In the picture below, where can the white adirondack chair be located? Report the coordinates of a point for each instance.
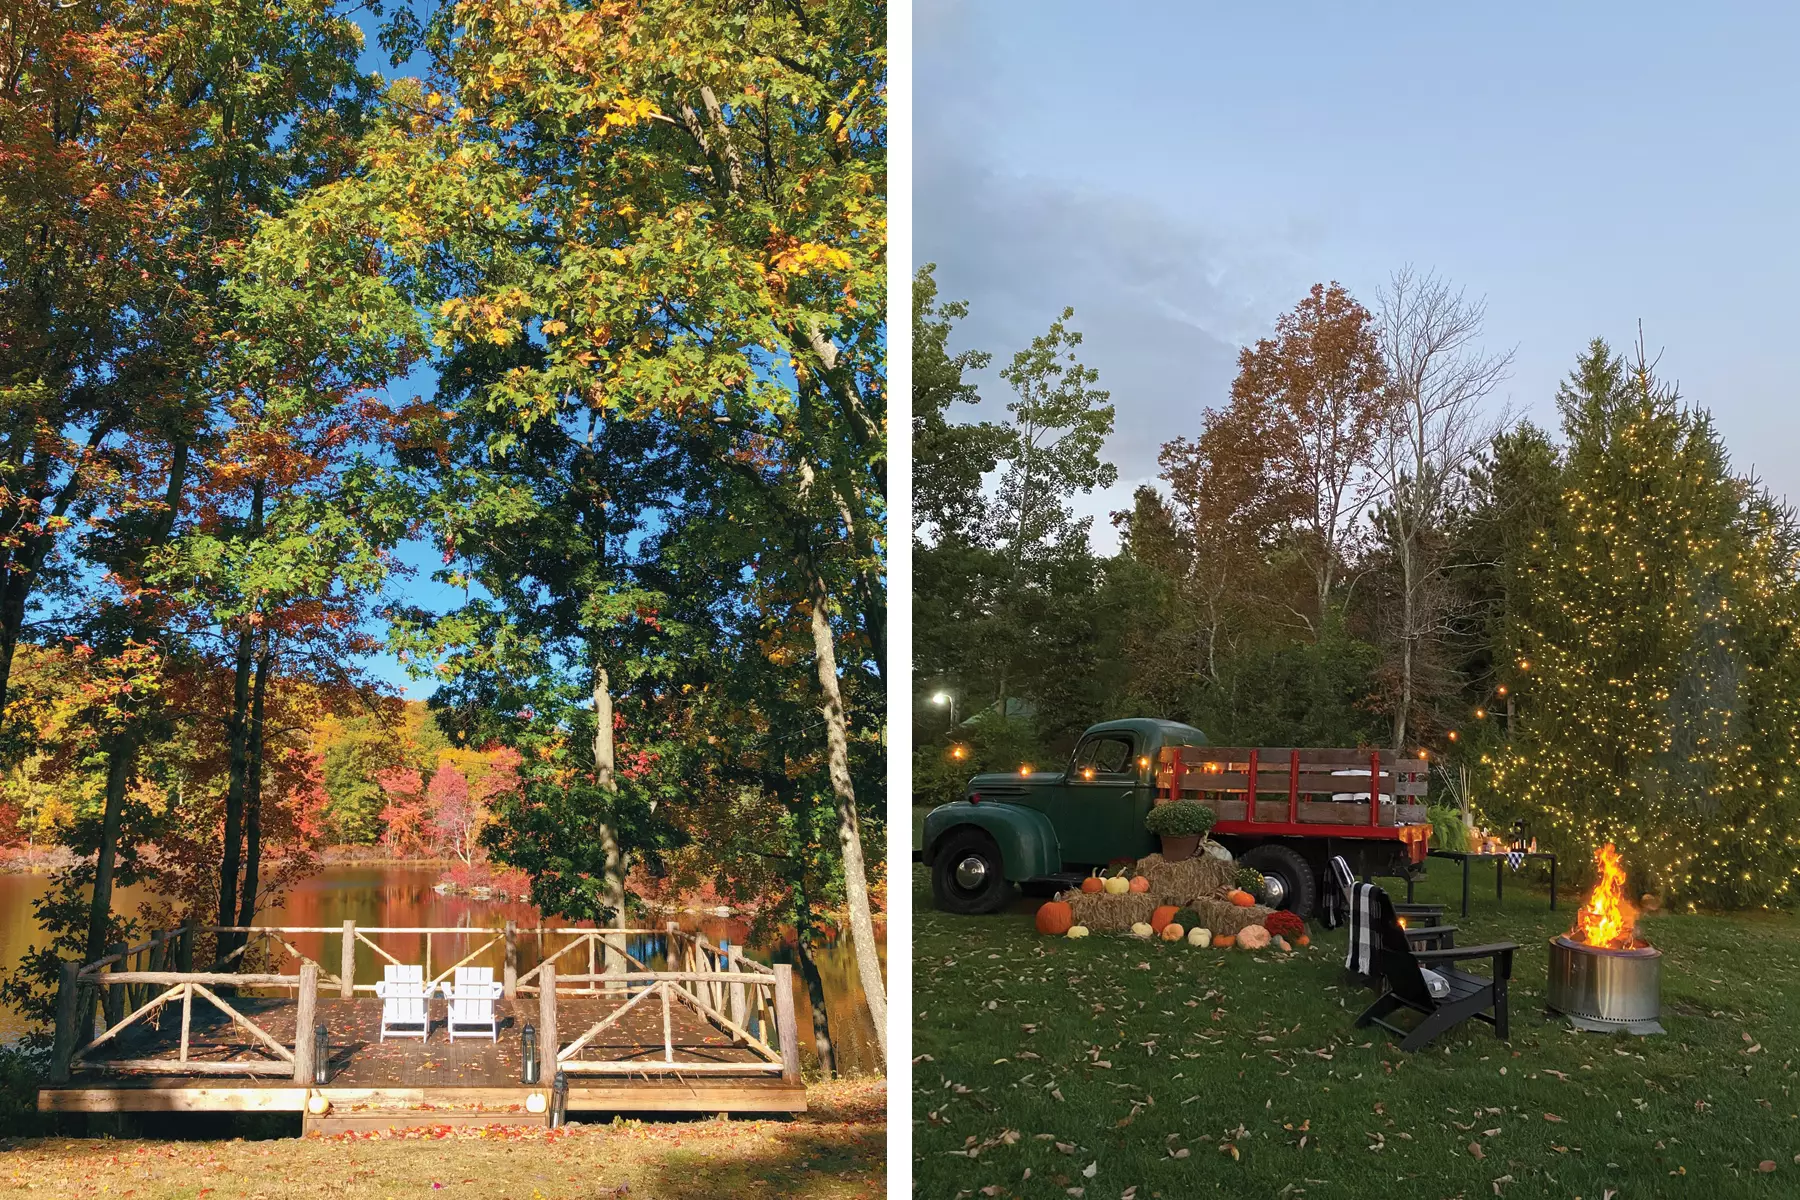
(405, 1004)
(472, 996)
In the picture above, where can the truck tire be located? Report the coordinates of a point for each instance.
(1285, 869)
(968, 875)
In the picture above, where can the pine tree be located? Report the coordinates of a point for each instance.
(1654, 665)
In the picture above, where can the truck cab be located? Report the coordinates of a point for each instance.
(1283, 811)
(1049, 827)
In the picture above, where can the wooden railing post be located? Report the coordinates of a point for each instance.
(184, 951)
(113, 1005)
(347, 963)
(509, 973)
(785, 1026)
(307, 1011)
(68, 984)
(738, 1007)
(547, 1040)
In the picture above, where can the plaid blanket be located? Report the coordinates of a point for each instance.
(1362, 908)
(1339, 879)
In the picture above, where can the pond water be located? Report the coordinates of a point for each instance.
(379, 894)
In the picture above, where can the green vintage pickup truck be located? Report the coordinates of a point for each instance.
(1044, 829)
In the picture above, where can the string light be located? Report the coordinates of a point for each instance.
(1663, 713)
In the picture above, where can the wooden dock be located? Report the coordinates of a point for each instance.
(708, 1030)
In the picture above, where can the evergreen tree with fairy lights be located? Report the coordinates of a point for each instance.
(1656, 670)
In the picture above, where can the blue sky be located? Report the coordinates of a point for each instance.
(1181, 173)
(420, 557)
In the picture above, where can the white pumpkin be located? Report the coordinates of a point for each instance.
(1142, 929)
(1199, 937)
(1217, 851)
(1118, 885)
(1077, 931)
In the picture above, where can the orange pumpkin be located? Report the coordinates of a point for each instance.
(1304, 940)
(1139, 884)
(1163, 916)
(1240, 897)
(1093, 883)
(1055, 918)
(1224, 941)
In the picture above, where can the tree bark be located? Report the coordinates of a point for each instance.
(837, 740)
(613, 864)
(120, 755)
(230, 859)
(1408, 635)
(815, 997)
(253, 794)
(237, 773)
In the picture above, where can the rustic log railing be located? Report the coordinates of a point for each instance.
(155, 990)
(747, 1000)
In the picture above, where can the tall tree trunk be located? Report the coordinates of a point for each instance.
(21, 565)
(815, 997)
(12, 622)
(1408, 631)
(121, 752)
(837, 740)
(237, 775)
(230, 860)
(613, 864)
(253, 795)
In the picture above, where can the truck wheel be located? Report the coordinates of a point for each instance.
(967, 874)
(1290, 882)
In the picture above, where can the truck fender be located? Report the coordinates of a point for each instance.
(1027, 840)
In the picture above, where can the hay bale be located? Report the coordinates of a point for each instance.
(1103, 913)
(1180, 882)
(1222, 916)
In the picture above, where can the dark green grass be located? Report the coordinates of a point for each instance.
(1045, 1055)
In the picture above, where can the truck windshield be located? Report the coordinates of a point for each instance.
(1108, 754)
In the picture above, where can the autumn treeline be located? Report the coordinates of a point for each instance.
(1591, 633)
(597, 330)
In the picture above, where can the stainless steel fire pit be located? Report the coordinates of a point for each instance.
(1605, 990)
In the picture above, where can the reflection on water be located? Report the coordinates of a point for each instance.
(382, 895)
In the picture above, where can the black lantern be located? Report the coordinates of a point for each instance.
(321, 1058)
(559, 1100)
(528, 1045)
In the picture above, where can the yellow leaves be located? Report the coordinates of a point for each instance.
(553, 327)
(627, 112)
(486, 318)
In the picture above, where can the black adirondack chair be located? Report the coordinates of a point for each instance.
(1397, 963)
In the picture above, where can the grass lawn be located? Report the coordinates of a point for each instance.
(835, 1152)
(1113, 1067)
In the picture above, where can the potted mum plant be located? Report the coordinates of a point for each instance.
(1180, 824)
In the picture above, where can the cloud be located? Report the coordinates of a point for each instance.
(1163, 301)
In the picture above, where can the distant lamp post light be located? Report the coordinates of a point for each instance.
(959, 752)
(946, 700)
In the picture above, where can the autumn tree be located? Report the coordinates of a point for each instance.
(1317, 391)
(602, 225)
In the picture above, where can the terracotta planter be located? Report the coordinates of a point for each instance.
(1180, 849)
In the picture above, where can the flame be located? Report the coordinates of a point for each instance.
(1608, 919)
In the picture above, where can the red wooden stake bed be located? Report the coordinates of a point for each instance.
(1323, 793)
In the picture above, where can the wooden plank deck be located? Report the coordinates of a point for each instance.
(435, 1081)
